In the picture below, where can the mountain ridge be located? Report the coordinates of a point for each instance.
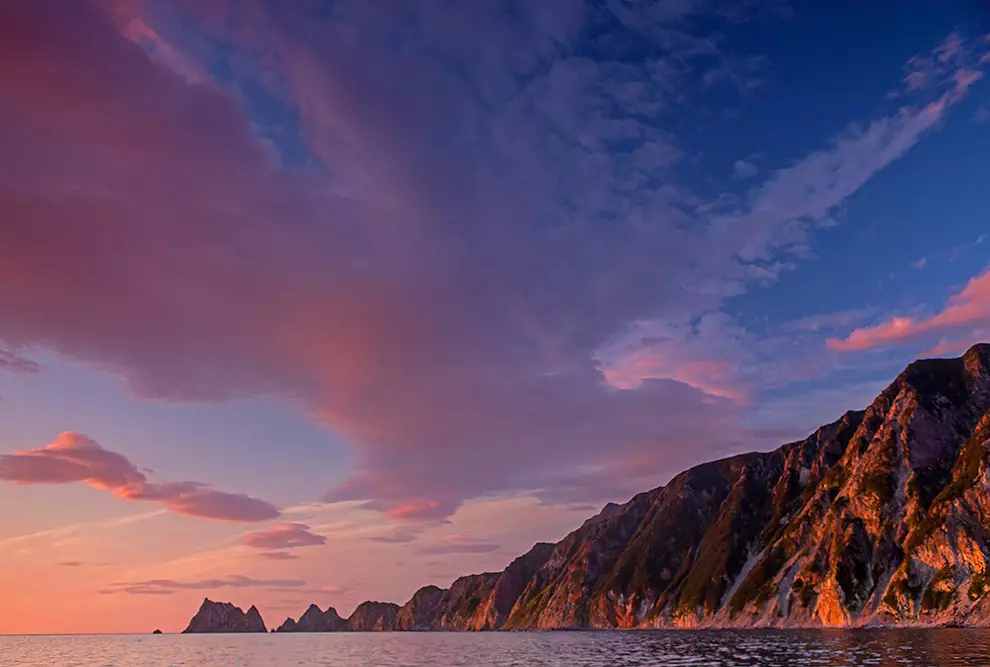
(881, 517)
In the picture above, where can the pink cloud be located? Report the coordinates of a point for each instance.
(71, 457)
(711, 355)
(199, 500)
(433, 292)
(420, 508)
(283, 536)
(278, 555)
(965, 318)
(170, 586)
(458, 544)
(394, 538)
(75, 458)
(818, 322)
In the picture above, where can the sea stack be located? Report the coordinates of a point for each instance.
(225, 617)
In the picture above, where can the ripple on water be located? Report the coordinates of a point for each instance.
(832, 648)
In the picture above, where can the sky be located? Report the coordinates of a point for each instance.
(320, 301)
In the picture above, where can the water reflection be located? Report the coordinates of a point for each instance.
(834, 648)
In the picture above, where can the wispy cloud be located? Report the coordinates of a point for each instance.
(827, 321)
(958, 250)
(75, 458)
(685, 353)
(46, 537)
(963, 320)
(17, 364)
(394, 538)
(170, 586)
(743, 169)
(283, 536)
(459, 544)
(712, 352)
(740, 72)
(781, 211)
(279, 555)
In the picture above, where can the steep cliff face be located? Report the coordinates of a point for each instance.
(494, 609)
(895, 531)
(882, 517)
(675, 553)
(879, 518)
(422, 611)
(372, 616)
(225, 617)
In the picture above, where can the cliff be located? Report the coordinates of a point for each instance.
(225, 617)
(879, 518)
(371, 616)
(422, 610)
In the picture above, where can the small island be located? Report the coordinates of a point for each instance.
(225, 617)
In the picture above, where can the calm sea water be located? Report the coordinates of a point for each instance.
(879, 648)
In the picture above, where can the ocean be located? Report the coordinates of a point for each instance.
(835, 648)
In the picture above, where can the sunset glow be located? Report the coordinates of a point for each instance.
(321, 303)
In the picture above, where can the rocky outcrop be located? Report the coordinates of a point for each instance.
(474, 602)
(879, 518)
(422, 611)
(225, 617)
(371, 616)
(496, 604)
(314, 620)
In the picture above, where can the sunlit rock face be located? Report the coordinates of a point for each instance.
(373, 616)
(879, 518)
(422, 610)
(225, 617)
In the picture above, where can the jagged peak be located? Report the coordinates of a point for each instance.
(977, 359)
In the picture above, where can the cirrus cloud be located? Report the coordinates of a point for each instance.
(170, 586)
(279, 555)
(456, 544)
(965, 319)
